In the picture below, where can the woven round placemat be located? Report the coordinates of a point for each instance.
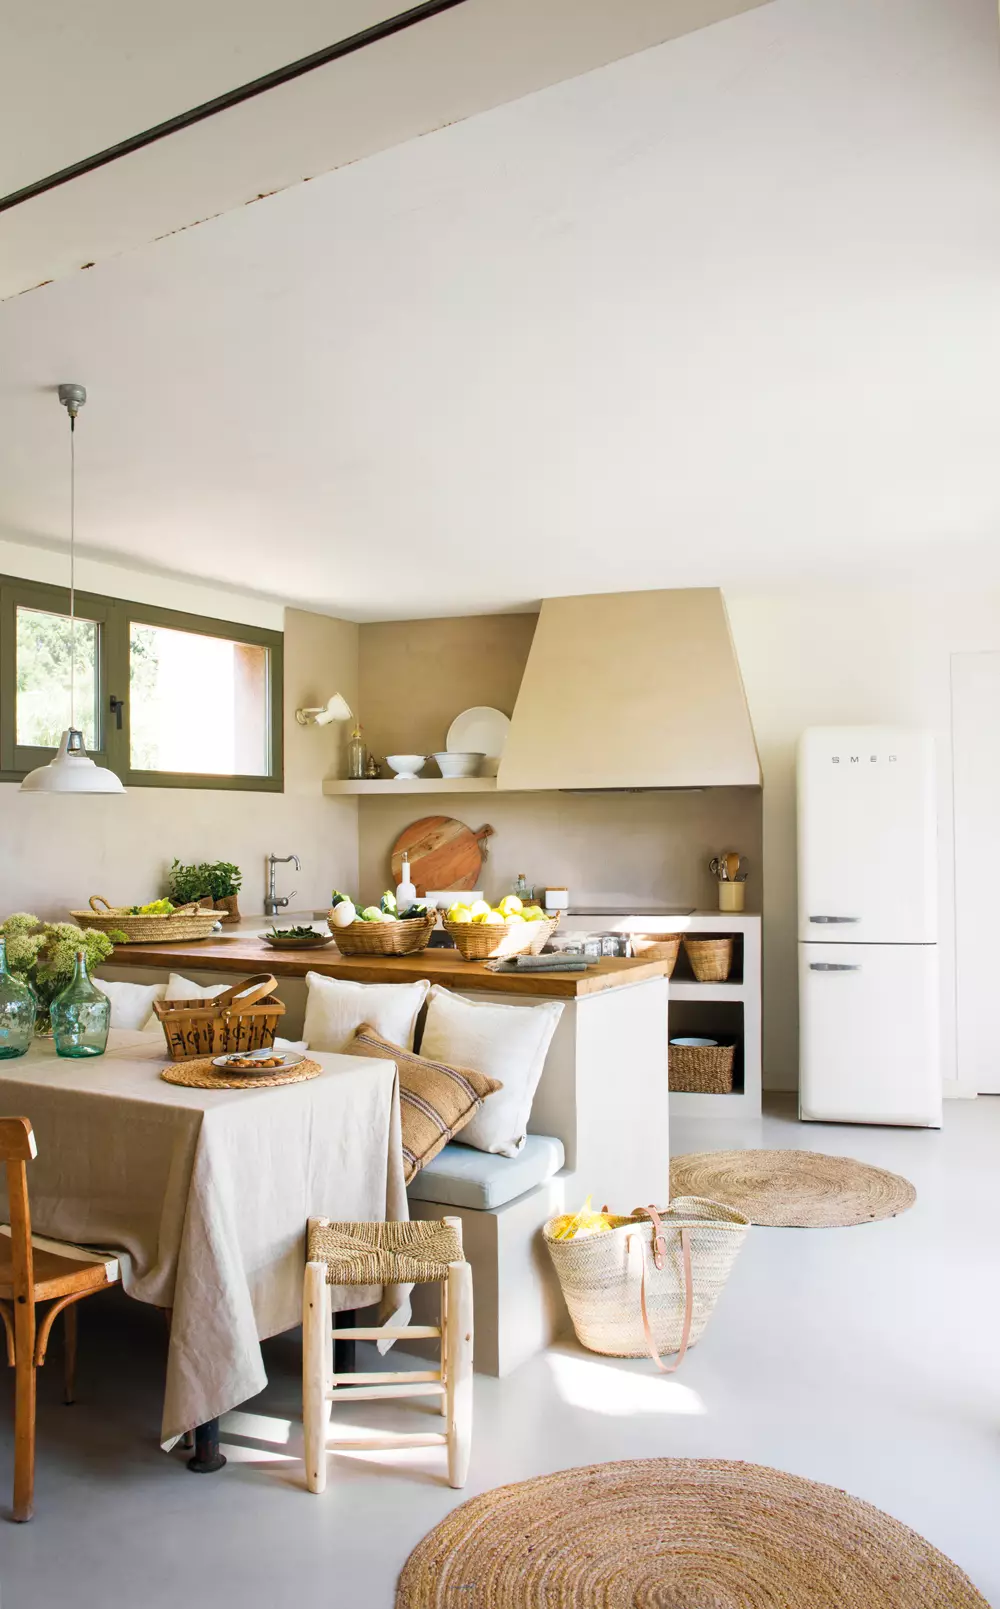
(677, 1533)
(793, 1189)
(202, 1075)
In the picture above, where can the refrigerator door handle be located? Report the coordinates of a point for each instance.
(832, 966)
(831, 919)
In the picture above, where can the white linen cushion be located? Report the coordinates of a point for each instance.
(179, 988)
(336, 1009)
(508, 1043)
(131, 1003)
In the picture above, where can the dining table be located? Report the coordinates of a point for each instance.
(204, 1195)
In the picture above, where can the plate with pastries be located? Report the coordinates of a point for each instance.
(248, 1062)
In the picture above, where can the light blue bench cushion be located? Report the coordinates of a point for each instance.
(460, 1176)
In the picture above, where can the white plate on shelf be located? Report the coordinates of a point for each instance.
(289, 1058)
(480, 730)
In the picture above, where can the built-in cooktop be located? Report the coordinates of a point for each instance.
(630, 910)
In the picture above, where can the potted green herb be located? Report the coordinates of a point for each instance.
(224, 881)
(43, 955)
(186, 885)
(215, 884)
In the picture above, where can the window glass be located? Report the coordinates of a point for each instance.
(43, 678)
(198, 704)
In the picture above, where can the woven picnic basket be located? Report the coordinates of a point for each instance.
(245, 1017)
(384, 938)
(650, 1283)
(186, 922)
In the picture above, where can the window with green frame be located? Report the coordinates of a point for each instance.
(162, 698)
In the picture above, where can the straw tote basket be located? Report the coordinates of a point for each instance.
(186, 922)
(245, 1017)
(384, 938)
(650, 1283)
(482, 941)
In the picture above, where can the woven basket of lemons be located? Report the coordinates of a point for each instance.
(484, 933)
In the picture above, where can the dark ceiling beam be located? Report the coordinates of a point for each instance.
(232, 97)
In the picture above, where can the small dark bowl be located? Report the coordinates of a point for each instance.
(312, 943)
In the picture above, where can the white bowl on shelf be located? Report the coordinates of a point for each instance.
(406, 766)
(459, 765)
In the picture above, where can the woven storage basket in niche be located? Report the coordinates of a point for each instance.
(245, 1017)
(701, 1069)
(186, 922)
(384, 938)
(657, 947)
(601, 1276)
(484, 941)
(711, 959)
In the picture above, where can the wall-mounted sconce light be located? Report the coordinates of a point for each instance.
(335, 709)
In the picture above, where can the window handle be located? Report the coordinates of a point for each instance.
(117, 705)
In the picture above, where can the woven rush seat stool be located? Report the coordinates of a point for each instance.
(426, 1252)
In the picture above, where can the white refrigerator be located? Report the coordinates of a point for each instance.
(869, 1034)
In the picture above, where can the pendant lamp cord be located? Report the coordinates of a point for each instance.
(72, 570)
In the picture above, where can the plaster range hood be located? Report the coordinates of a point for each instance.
(632, 690)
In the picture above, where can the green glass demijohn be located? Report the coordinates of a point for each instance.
(81, 1015)
(17, 1011)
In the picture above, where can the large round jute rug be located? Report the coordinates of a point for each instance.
(793, 1189)
(677, 1533)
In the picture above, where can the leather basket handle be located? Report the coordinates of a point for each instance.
(659, 1258)
(247, 993)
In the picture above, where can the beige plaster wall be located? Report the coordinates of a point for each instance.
(648, 847)
(417, 675)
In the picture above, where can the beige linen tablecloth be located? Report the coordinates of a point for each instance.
(207, 1193)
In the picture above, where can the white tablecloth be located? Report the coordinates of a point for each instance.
(205, 1194)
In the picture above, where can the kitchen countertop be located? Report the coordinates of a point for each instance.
(244, 953)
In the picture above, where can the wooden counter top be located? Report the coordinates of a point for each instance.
(246, 955)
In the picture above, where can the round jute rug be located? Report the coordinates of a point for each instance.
(677, 1533)
(793, 1189)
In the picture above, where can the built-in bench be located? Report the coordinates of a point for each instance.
(461, 1177)
(503, 1203)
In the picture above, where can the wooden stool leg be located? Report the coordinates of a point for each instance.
(317, 1364)
(69, 1353)
(458, 1394)
(444, 1345)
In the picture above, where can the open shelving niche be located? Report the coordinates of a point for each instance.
(730, 1010)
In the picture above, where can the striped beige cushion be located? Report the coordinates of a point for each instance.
(436, 1100)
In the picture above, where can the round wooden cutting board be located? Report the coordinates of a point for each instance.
(444, 853)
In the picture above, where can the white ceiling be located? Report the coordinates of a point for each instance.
(723, 313)
(79, 79)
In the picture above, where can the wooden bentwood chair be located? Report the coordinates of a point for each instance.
(34, 1270)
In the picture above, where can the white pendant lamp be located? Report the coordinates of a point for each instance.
(72, 770)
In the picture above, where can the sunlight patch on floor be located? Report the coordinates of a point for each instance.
(257, 1427)
(606, 1388)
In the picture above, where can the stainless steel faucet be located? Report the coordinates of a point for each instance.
(272, 903)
